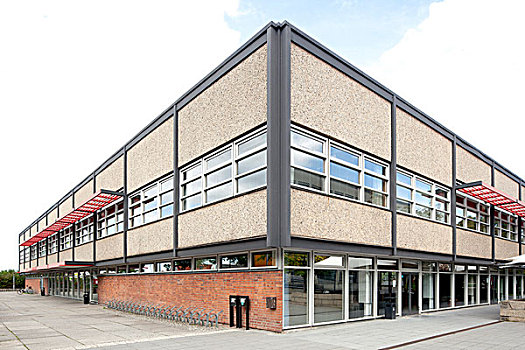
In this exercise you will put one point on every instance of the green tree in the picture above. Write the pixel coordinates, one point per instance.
(6, 279)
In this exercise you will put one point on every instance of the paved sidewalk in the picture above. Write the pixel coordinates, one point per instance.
(34, 322)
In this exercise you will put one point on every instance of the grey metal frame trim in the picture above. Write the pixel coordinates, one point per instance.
(110, 262)
(148, 257)
(393, 173)
(176, 180)
(126, 214)
(492, 212)
(453, 201)
(278, 131)
(327, 245)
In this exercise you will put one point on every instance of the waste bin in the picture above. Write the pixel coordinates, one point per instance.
(86, 298)
(43, 292)
(390, 311)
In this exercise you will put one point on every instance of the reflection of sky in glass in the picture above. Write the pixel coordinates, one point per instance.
(328, 260)
(422, 199)
(191, 202)
(252, 162)
(423, 186)
(306, 142)
(307, 161)
(253, 143)
(192, 187)
(344, 173)
(344, 156)
(252, 181)
(219, 192)
(219, 176)
(191, 173)
(219, 159)
(374, 182)
(403, 179)
(376, 168)
(404, 192)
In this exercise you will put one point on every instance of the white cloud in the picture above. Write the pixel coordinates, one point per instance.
(464, 67)
(80, 78)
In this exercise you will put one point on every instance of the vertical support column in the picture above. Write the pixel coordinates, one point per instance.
(176, 180)
(95, 223)
(126, 214)
(278, 136)
(393, 172)
(47, 245)
(492, 212)
(453, 201)
(520, 222)
(59, 233)
(74, 228)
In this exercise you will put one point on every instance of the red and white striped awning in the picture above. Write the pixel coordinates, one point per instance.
(98, 201)
(493, 196)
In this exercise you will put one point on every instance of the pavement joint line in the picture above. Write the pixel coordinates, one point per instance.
(101, 345)
(15, 336)
(440, 335)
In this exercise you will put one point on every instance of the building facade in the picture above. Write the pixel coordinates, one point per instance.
(287, 173)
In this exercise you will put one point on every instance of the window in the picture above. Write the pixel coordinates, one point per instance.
(110, 220)
(263, 259)
(163, 266)
(152, 203)
(209, 263)
(34, 251)
(239, 167)
(21, 256)
(182, 265)
(422, 198)
(84, 231)
(41, 248)
(147, 268)
(472, 214)
(324, 165)
(27, 254)
(237, 261)
(66, 238)
(505, 225)
(52, 244)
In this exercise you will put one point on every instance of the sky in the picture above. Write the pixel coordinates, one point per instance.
(78, 79)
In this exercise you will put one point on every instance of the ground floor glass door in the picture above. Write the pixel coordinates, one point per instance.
(386, 290)
(494, 289)
(409, 293)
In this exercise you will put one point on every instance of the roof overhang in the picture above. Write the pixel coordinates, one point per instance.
(493, 196)
(97, 201)
(59, 266)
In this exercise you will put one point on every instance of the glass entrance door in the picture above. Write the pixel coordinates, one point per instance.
(386, 290)
(409, 293)
(493, 289)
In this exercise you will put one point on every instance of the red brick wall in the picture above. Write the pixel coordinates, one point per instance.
(210, 290)
(35, 284)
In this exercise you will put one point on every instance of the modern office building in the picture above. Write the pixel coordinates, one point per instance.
(287, 173)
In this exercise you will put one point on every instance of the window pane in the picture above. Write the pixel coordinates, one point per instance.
(360, 263)
(191, 202)
(328, 295)
(252, 144)
(460, 211)
(375, 167)
(304, 178)
(192, 187)
(402, 178)
(344, 172)
(404, 207)
(472, 215)
(441, 192)
(150, 216)
(440, 216)
(403, 192)
(166, 211)
(296, 259)
(136, 221)
(150, 192)
(262, 259)
(218, 159)
(441, 204)
(219, 176)
(164, 266)
(234, 261)
(423, 211)
(166, 185)
(309, 143)
(473, 225)
(307, 161)
(344, 189)
(375, 183)
(254, 180)
(423, 186)
(254, 161)
(328, 260)
(295, 297)
(219, 192)
(374, 197)
(166, 198)
(344, 156)
(423, 199)
(206, 264)
(182, 265)
(150, 204)
(191, 173)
